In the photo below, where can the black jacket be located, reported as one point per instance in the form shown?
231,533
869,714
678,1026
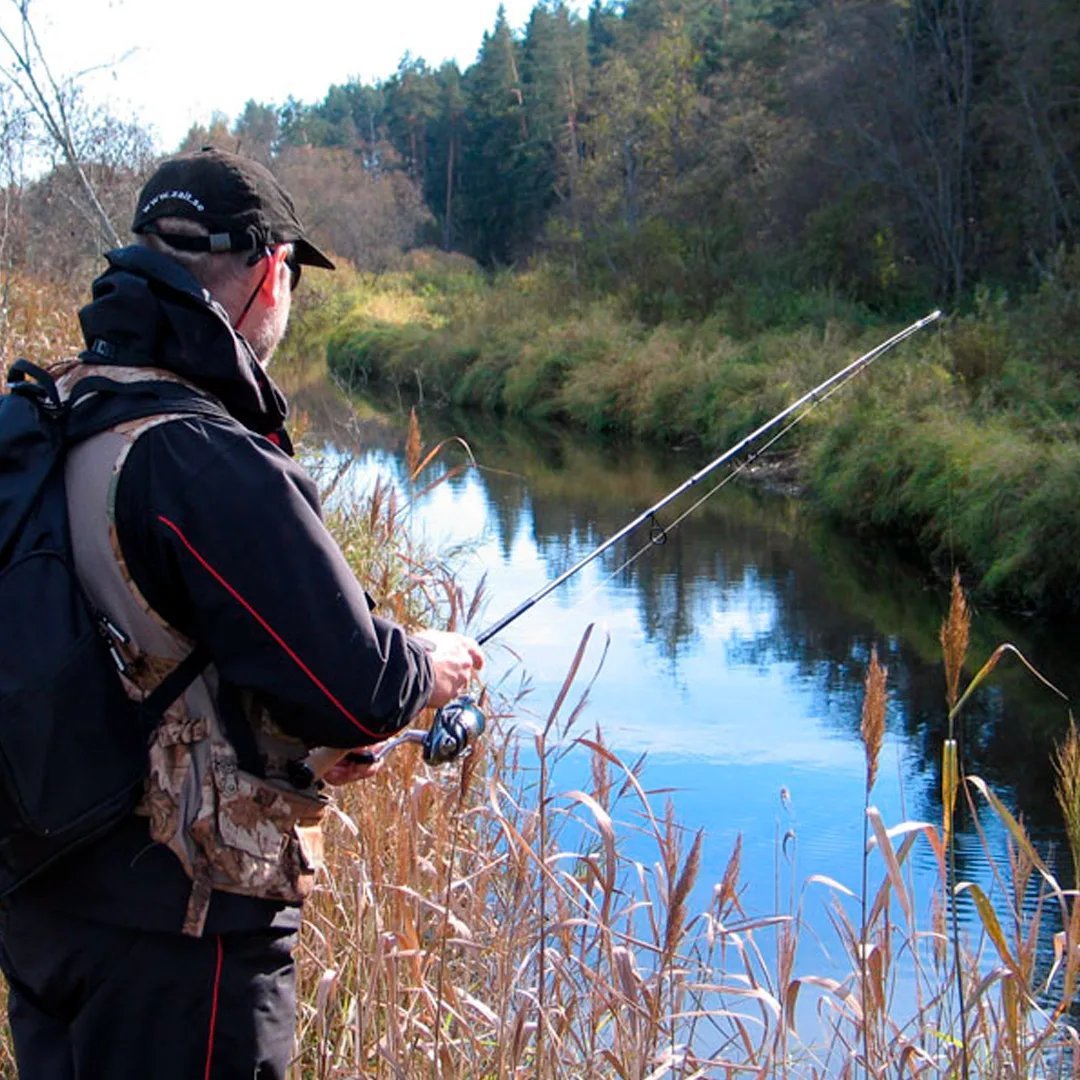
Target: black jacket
222,533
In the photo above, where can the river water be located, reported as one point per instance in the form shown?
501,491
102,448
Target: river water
735,650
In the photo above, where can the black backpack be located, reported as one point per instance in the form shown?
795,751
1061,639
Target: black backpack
73,745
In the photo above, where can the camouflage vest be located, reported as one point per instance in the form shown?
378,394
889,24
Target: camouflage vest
231,830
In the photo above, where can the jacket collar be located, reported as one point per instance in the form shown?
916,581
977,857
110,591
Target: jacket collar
148,310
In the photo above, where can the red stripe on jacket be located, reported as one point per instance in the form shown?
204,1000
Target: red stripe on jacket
291,653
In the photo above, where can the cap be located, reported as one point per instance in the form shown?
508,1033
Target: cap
238,200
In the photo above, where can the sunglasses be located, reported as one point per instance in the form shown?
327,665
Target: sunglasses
294,266
291,261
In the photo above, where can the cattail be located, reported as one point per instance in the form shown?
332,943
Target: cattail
955,632
601,774
727,892
873,716
1067,790
413,445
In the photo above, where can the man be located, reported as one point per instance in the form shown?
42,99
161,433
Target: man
163,949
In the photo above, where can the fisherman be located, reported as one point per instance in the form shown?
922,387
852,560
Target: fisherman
164,948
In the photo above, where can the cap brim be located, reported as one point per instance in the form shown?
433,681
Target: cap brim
308,254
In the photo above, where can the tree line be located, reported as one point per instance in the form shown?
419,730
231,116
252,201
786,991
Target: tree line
892,150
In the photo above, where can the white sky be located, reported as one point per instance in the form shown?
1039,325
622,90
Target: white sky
192,57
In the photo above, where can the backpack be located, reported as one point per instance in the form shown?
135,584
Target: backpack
73,744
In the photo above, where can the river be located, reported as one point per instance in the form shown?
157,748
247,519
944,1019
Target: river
735,650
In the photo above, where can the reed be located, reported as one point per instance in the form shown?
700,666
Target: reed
872,730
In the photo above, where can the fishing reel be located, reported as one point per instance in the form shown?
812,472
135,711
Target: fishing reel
455,728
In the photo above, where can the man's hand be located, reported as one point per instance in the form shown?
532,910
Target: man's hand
455,659
358,764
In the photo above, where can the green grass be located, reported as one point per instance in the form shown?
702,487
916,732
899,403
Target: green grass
964,442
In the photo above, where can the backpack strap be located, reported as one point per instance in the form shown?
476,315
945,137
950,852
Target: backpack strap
98,403
34,382
95,404
153,706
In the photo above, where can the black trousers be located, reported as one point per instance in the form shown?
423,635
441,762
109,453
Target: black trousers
89,1001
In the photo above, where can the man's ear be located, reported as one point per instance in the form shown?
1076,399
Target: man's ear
275,282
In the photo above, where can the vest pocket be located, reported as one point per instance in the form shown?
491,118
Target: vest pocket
270,836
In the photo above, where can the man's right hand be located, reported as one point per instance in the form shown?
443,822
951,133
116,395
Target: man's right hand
455,659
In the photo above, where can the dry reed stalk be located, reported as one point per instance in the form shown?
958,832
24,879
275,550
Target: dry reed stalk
872,729
1066,761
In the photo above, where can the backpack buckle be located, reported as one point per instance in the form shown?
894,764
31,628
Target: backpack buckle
114,637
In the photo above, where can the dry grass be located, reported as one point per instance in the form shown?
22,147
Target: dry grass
37,320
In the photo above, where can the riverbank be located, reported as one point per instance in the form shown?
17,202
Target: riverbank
964,444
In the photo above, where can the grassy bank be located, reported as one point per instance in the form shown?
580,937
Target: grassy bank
964,444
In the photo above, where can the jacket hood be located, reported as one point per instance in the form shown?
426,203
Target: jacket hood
148,310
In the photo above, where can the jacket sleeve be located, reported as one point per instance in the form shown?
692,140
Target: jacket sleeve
223,535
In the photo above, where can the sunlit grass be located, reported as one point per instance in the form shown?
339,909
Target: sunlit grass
37,319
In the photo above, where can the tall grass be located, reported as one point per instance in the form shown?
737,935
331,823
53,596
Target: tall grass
37,319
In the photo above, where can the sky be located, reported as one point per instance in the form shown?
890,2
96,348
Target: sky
171,65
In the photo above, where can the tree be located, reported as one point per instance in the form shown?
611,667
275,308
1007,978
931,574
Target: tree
214,133
913,135
257,131
449,134
412,105
369,219
555,74
58,107
497,131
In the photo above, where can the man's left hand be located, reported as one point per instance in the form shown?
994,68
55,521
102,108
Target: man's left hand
358,764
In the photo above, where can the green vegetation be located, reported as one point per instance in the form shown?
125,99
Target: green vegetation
965,444
669,217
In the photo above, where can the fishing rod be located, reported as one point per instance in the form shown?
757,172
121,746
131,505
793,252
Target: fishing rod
459,722
810,396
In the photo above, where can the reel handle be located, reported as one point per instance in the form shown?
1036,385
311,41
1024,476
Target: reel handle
453,730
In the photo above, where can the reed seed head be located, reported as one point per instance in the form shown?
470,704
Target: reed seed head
413,445
873,715
1067,790
955,634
